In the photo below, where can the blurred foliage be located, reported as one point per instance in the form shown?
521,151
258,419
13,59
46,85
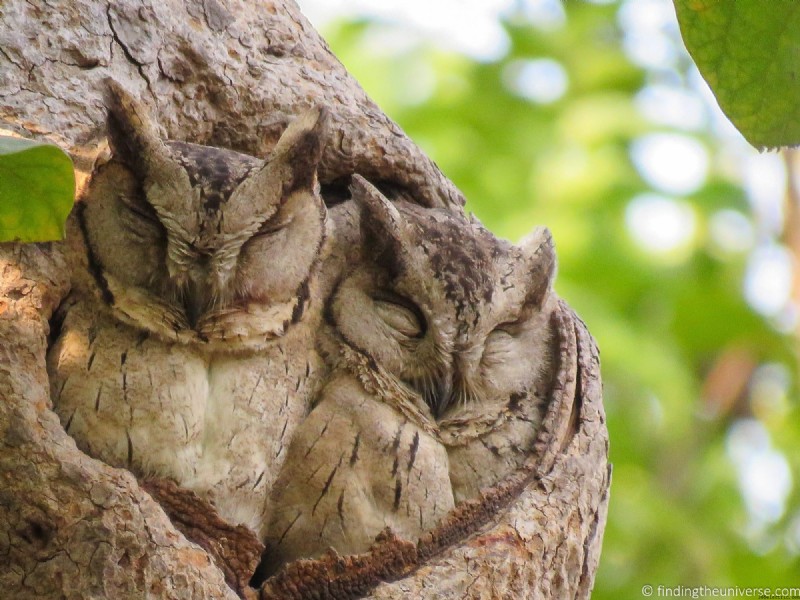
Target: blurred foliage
670,324
748,55
37,185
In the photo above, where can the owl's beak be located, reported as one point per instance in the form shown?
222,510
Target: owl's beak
436,390
196,300
455,386
451,385
442,395
194,308
198,289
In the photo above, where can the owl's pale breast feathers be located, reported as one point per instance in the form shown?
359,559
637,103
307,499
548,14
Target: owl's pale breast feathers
355,467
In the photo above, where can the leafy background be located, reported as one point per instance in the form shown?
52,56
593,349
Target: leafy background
677,244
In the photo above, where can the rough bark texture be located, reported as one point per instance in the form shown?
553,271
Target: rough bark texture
230,74
233,73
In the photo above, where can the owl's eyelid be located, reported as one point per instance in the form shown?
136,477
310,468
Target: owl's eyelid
394,298
511,327
499,343
390,297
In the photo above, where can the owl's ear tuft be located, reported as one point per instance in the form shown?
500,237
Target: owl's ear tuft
134,139
300,148
382,226
132,133
539,253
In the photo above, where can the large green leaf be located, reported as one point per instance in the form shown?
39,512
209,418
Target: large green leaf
749,53
37,188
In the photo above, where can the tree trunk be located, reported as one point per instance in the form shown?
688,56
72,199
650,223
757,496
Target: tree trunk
232,73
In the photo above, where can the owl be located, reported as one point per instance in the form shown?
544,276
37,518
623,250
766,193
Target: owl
186,346
436,333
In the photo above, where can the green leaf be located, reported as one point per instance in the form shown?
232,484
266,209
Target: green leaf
37,189
749,53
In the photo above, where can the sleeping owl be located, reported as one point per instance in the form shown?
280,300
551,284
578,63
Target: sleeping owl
186,347
436,334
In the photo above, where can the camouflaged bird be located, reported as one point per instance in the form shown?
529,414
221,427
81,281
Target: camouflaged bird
436,334
186,348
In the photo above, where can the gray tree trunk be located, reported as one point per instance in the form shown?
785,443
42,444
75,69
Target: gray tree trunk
232,73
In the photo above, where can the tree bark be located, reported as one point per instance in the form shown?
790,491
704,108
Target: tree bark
233,73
